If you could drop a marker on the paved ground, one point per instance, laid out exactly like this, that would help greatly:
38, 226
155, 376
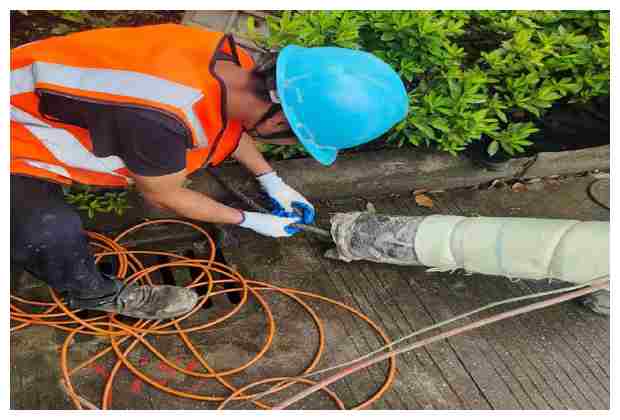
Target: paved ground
556, 358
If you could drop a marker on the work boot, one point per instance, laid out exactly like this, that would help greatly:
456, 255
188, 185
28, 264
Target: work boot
597, 302
137, 301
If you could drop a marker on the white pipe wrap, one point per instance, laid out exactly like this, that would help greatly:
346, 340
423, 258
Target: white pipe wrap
568, 250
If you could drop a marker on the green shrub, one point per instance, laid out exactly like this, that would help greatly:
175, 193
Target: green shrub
91, 201
469, 73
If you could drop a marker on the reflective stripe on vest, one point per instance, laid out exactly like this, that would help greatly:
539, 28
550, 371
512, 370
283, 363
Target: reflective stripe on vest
65, 147
22, 80
113, 82
49, 167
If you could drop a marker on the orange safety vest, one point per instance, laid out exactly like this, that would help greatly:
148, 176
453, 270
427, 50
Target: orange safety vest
168, 68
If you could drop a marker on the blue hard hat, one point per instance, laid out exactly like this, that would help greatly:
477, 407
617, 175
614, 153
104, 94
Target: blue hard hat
335, 98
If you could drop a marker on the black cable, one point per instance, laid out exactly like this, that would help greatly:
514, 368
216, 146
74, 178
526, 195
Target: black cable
251, 203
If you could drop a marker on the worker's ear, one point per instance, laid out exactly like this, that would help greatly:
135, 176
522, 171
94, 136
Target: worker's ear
276, 123
276, 126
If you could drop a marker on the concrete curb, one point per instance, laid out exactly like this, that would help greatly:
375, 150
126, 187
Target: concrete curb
402, 171
373, 173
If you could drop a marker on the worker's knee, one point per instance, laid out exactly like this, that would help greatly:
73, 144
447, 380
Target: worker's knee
55, 225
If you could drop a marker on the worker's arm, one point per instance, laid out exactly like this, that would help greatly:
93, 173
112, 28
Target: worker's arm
168, 192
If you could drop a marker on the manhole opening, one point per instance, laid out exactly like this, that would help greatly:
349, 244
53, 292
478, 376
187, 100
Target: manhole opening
234, 296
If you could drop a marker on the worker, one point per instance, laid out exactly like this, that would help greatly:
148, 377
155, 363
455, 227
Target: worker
150, 105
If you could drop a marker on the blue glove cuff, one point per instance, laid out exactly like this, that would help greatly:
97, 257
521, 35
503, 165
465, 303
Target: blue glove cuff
307, 213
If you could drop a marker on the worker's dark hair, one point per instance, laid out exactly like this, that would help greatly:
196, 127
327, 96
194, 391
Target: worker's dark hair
265, 76
265, 89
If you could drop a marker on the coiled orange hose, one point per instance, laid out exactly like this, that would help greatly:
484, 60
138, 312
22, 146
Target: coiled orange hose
56, 315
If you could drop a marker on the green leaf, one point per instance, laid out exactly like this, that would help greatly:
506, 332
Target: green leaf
455, 89
413, 138
530, 108
251, 26
501, 115
425, 129
440, 124
493, 148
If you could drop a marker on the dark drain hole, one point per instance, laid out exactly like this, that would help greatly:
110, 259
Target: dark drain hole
233, 297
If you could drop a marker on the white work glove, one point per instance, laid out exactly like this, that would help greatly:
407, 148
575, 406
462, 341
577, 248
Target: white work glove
270, 225
286, 201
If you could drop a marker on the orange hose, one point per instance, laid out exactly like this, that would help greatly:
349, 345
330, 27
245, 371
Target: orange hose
56, 315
